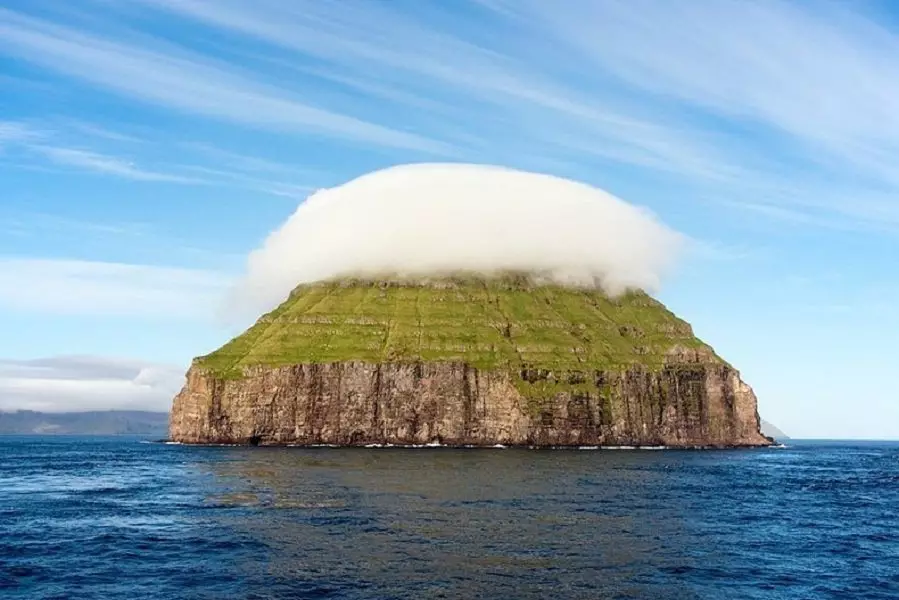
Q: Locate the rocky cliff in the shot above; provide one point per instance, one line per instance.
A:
(466, 361)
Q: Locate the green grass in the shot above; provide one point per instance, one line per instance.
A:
(500, 323)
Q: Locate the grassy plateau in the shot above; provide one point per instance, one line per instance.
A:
(506, 322)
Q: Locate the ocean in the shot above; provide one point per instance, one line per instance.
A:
(91, 518)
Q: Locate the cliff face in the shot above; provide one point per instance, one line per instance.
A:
(466, 363)
(688, 403)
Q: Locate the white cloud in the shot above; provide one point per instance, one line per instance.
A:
(47, 144)
(83, 383)
(13, 132)
(86, 128)
(812, 85)
(510, 91)
(109, 165)
(817, 73)
(41, 141)
(432, 218)
(249, 164)
(186, 82)
(72, 287)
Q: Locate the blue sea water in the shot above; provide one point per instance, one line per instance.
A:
(116, 518)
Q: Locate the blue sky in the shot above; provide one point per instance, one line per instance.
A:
(147, 146)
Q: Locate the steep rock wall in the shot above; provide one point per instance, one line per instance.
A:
(692, 401)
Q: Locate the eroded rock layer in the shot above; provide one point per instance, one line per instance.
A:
(356, 403)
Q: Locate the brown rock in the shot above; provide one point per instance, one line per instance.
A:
(692, 401)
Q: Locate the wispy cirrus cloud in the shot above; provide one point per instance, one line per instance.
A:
(519, 105)
(12, 132)
(44, 141)
(94, 130)
(108, 165)
(186, 82)
(766, 103)
(245, 163)
(808, 86)
(54, 225)
(816, 74)
(39, 144)
(76, 287)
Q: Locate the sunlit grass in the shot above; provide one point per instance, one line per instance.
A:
(488, 323)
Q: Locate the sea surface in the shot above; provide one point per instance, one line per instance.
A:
(87, 518)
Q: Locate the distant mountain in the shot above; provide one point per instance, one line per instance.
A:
(111, 422)
(772, 431)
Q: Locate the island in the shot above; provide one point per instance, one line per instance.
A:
(466, 360)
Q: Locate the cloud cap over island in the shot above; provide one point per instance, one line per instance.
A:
(433, 218)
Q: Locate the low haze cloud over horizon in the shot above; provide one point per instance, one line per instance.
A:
(426, 219)
(86, 383)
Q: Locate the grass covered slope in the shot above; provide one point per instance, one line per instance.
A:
(499, 323)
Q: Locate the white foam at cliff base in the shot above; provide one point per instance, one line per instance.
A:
(431, 219)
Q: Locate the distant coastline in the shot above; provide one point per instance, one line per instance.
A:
(110, 422)
(773, 432)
